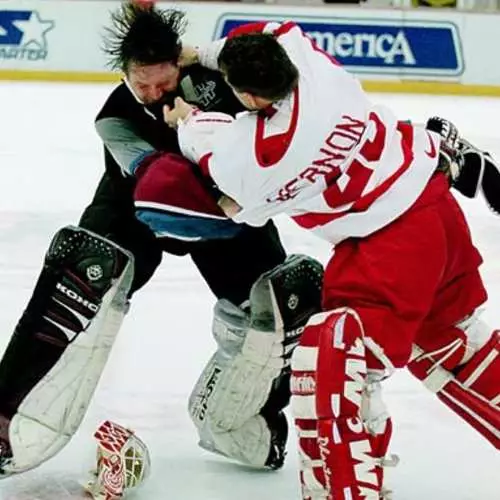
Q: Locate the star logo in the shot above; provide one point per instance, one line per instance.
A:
(34, 31)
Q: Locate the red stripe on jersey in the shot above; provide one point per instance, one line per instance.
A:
(258, 27)
(246, 29)
(284, 28)
(270, 150)
(203, 164)
(212, 120)
(407, 147)
(312, 220)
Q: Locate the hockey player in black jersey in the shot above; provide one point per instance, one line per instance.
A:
(144, 43)
(91, 271)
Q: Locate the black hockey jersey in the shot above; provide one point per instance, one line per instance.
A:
(131, 131)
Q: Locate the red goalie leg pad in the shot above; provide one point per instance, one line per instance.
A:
(328, 381)
(471, 390)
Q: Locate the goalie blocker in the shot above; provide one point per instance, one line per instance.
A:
(469, 169)
(238, 400)
(60, 346)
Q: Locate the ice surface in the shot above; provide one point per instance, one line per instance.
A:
(50, 161)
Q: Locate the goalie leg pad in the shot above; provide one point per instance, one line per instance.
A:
(250, 444)
(469, 384)
(232, 397)
(54, 360)
(342, 425)
(255, 440)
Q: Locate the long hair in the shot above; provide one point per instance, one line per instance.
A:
(144, 35)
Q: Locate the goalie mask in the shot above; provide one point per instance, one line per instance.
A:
(123, 462)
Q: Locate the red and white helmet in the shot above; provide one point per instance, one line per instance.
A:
(123, 462)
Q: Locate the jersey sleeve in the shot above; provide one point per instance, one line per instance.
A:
(218, 144)
(116, 129)
(226, 160)
(126, 147)
(200, 134)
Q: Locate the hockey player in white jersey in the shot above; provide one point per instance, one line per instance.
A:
(59, 348)
(403, 284)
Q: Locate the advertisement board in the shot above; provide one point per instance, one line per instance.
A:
(24, 35)
(427, 50)
(376, 46)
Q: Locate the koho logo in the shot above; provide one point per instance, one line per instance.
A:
(77, 298)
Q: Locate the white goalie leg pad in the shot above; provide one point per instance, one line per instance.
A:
(54, 409)
(249, 444)
(245, 383)
(249, 369)
(233, 387)
(241, 392)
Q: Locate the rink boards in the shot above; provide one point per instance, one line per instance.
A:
(393, 50)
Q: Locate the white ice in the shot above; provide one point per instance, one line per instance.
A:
(50, 162)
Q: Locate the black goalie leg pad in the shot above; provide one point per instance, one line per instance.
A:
(284, 298)
(84, 276)
(295, 287)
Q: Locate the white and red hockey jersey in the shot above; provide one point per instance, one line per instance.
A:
(326, 156)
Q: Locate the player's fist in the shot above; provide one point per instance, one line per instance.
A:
(179, 112)
(228, 206)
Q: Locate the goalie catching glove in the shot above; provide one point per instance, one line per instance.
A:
(469, 169)
(237, 402)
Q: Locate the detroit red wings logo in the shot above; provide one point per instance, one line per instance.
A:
(112, 438)
(112, 476)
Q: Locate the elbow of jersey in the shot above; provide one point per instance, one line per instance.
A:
(139, 165)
